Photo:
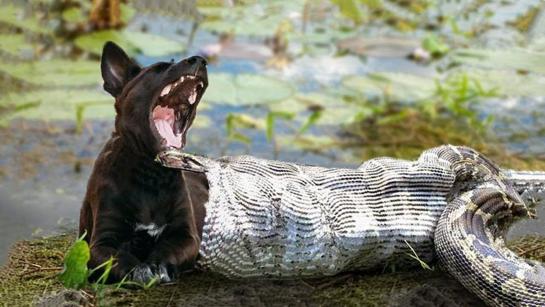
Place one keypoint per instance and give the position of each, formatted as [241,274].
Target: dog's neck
[141,168]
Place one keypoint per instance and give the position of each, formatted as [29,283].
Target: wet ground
[33,266]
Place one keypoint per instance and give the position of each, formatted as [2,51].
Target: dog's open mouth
[175,109]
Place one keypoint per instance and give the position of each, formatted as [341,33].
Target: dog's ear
[117,68]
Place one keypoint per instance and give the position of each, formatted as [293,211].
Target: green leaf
[245,121]
[518,59]
[271,118]
[292,104]
[507,83]
[55,72]
[14,44]
[106,268]
[435,46]
[246,89]
[400,87]
[74,15]
[241,121]
[75,271]
[311,120]
[349,9]
[154,45]
[58,104]
[237,136]
[94,42]
[14,16]
[132,42]
[253,89]
[270,126]
[261,19]
[326,109]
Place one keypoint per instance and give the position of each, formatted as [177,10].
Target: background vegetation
[381,77]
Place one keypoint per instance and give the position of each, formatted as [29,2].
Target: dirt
[30,277]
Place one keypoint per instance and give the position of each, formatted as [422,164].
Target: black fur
[127,188]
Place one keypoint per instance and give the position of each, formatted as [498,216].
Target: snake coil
[283,220]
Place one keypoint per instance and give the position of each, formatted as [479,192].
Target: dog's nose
[196,60]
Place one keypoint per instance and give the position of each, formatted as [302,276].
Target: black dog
[147,217]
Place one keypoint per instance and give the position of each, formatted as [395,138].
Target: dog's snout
[196,60]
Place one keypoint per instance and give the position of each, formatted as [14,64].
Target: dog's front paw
[164,272]
[144,273]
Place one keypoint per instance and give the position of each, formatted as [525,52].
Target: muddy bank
[30,276]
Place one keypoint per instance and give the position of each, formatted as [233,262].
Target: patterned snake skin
[280,220]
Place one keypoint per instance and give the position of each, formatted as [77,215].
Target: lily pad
[350,9]
[246,89]
[132,42]
[14,16]
[507,83]
[250,27]
[435,46]
[14,44]
[394,86]
[74,15]
[57,104]
[55,72]
[538,44]
[323,109]
[261,19]
[518,59]
[378,46]
[292,104]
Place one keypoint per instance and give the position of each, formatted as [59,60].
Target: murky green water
[335,94]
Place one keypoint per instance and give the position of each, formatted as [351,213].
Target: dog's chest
[152,216]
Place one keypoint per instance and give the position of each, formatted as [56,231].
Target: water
[45,166]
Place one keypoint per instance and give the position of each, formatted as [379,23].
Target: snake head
[178,159]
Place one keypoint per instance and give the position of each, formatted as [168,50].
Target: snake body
[282,220]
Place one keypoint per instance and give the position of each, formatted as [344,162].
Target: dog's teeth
[166,90]
[182,78]
[192,98]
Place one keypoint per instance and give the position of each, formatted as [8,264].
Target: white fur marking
[152,229]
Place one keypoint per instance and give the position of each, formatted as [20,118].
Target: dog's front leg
[175,250]
[124,262]
[108,240]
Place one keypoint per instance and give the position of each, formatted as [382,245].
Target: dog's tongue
[163,117]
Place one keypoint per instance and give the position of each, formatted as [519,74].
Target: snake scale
[282,220]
